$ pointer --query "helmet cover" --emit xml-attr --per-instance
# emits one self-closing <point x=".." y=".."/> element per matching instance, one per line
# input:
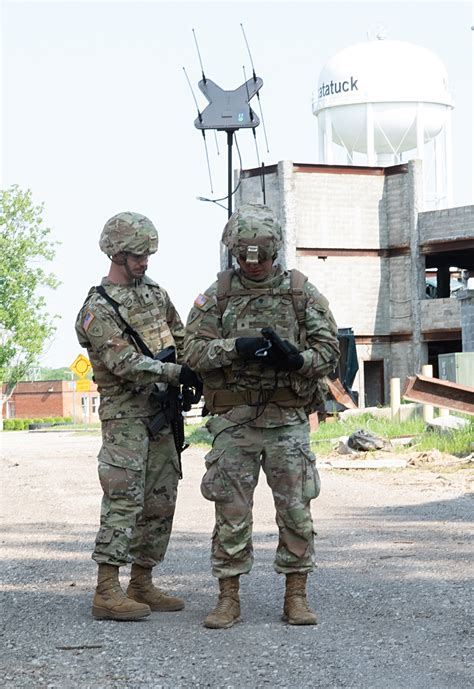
<point x="129" y="232"/>
<point x="253" y="226"/>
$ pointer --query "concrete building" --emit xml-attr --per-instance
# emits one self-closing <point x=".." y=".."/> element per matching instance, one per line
<point x="49" y="398"/>
<point x="361" y="236"/>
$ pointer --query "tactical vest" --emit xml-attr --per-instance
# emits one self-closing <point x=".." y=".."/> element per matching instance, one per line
<point x="243" y="313"/>
<point x="143" y="308"/>
<point x="296" y="291"/>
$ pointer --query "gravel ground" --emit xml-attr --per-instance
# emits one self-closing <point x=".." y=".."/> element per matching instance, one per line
<point x="391" y="587"/>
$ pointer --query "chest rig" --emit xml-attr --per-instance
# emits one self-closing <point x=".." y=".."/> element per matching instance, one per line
<point x="251" y="310"/>
<point x="244" y="311"/>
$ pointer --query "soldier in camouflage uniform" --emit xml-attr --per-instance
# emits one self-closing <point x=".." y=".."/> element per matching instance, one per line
<point x="260" y="399"/>
<point x="138" y="474"/>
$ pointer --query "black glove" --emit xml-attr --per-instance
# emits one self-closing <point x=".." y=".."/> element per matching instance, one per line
<point x="247" y="346"/>
<point x="188" y="378"/>
<point x="290" y="361"/>
<point x="293" y="362"/>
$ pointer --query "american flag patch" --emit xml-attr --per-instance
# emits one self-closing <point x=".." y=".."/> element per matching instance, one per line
<point x="201" y="300"/>
<point x="88" y="318"/>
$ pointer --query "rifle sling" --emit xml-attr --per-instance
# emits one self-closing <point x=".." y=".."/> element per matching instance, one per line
<point x="128" y="328"/>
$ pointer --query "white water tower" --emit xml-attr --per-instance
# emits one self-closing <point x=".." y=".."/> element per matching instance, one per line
<point x="384" y="102"/>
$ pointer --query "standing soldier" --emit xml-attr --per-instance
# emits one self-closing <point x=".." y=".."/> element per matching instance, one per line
<point x="260" y="391"/>
<point x="127" y="315"/>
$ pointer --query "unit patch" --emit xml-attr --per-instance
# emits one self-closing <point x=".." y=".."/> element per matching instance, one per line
<point x="88" y="318"/>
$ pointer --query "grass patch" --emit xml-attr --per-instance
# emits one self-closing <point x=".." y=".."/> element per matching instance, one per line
<point x="457" y="443"/>
<point x="383" y="427"/>
<point x="198" y="435"/>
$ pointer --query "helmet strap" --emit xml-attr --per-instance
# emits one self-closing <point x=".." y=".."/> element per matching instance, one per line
<point x="125" y="265"/>
<point x="119" y="259"/>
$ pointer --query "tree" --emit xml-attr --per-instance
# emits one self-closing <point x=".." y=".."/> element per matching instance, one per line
<point x="45" y="373"/>
<point x="25" y="326"/>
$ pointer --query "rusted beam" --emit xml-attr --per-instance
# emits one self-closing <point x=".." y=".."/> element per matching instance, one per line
<point x="440" y="393"/>
<point x="340" y="395"/>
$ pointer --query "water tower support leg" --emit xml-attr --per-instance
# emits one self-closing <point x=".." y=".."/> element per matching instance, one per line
<point x="321" y="135"/>
<point x="369" y="124"/>
<point x="327" y="137"/>
<point x="449" y="159"/>
<point x="420" y="132"/>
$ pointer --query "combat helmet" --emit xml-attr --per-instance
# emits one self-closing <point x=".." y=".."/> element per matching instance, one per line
<point x="130" y="232"/>
<point x="253" y="233"/>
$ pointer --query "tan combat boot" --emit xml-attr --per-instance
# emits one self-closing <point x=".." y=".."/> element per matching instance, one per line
<point x="110" y="602"/>
<point x="296" y="609"/>
<point x="142" y="589"/>
<point x="227" y="610"/>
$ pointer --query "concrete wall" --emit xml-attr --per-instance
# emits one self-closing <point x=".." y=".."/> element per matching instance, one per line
<point x="440" y="312"/>
<point x="339" y="211"/>
<point x="397" y="210"/>
<point x="466" y="300"/>
<point x="400" y="306"/>
<point x="450" y="223"/>
<point x="402" y="360"/>
<point x="354" y="288"/>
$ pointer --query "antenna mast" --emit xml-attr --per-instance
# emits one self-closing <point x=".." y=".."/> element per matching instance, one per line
<point x="228" y="111"/>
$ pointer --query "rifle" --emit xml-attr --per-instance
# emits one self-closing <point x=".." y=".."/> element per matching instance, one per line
<point x="171" y="404"/>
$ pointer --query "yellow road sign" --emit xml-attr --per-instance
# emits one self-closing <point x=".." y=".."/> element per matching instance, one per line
<point x="83" y="385"/>
<point x="81" y="366"/>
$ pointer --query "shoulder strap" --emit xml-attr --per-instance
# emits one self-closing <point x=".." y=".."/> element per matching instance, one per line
<point x="128" y="328"/>
<point x="224" y="278"/>
<point x="297" y="282"/>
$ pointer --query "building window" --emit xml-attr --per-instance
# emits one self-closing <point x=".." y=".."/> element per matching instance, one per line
<point x="95" y="404"/>
<point x="10" y="409"/>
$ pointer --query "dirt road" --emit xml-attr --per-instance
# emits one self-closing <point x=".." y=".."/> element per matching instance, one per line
<point x="392" y="589"/>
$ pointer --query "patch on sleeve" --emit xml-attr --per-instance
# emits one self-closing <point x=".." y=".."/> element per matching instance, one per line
<point x="201" y="301"/>
<point x="88" y="318"/>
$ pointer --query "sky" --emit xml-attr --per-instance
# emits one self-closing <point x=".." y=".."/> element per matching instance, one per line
<point x="97" y="117"/>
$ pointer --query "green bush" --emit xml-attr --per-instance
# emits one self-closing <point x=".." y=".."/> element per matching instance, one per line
<point x="24" y="424"/>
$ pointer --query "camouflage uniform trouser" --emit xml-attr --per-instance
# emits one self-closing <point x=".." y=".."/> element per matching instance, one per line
<point x="139" y="479"/>
<point x="233" y="466"/>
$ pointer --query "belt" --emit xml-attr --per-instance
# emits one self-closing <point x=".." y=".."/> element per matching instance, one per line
<point x="232" y="398"/>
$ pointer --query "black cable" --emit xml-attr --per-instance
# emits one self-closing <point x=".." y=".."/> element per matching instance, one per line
<point x="224" y="198"/>
<point x="258" y="415"/>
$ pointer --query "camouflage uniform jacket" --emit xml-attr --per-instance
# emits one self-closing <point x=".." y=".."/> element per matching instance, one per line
<point x="210" y="344"/>
<point x="124" y="375"/>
